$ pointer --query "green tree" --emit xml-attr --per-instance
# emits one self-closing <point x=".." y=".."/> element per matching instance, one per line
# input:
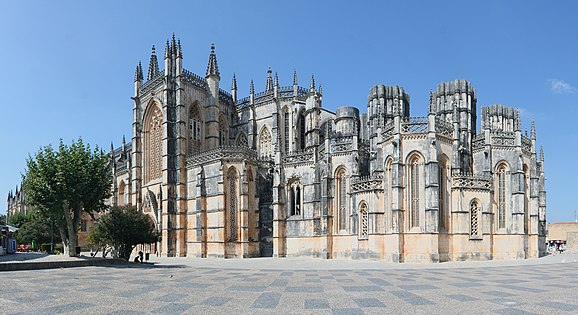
<point x="19" y="218"/>
<point x="123" y="228"/>
<point x="63" y="183"/>
<point x="3" y="219"/>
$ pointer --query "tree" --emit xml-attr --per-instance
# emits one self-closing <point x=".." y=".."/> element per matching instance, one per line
<point x="3" y="219"/>
<point x="123" y="228"/>
<point x="19" y="218"/>
<point x="62" y="184"/>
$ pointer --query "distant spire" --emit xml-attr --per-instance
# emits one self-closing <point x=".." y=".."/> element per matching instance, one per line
<point x="234" y="83"/>
<point x="541" y="153"/>
<point x="252" y="88"/>
<point x="533" y="131"/>
<point x="276" y="79"/>
<point x="269" y="86"/>
<point x="212" y="67"/>
<point x="179" y="49"/>
<point x="320" y="89"/>
<point x="294" y="77"/>
<point x="312" y="87"/>
<point x="153" y="65"/>
<point x="138" y="73"/>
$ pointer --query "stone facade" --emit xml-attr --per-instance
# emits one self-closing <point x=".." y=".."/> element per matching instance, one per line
<point x="276" y="174"/>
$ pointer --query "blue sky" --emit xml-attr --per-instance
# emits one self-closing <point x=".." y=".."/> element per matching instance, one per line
<point x="68" y="66"/>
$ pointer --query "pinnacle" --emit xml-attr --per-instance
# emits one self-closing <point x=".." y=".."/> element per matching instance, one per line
<point x="269" y="85"/>
<point x="234" y="83"/>
<point x="252" y="88"/>
<point x="212" y="67"/>
<point x="294" y="77"/>
<point x="312" y="87"/>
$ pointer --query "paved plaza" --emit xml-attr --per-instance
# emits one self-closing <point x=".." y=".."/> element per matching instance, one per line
<point x="297" y="286"/>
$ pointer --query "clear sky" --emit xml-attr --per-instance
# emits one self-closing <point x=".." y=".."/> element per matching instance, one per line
<point x="67" y="67"/>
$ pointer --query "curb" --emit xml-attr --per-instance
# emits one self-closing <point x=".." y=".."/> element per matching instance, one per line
<point x="60" y="264"/>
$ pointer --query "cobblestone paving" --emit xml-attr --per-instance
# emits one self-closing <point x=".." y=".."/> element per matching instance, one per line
<point x="189" y="289"/>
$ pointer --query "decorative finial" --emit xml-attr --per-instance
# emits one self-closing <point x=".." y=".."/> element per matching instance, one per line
<point x="533" y="131"/>
<point x="212" y="67"/>
<point x="320" y="89"/>
<point x="111" y="148"/>
<point x="312" y="87"/>
<point x="179" y="49"/>
<point x="173" y="45"/>
<point x="234" y="83"/>
<point x="541" y="153"/>
<point x="269" y="85"/>
<point x="294" y="77"/>
<point x="276" y="82"/>
<point x="167" y="50"/>
<point x="252" y="88"/>
<point x="138" y="73"/>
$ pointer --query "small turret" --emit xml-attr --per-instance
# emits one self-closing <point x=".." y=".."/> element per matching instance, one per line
<point x="269" y="86"/>
<point x="276" y="86"/>
<point x="541" y="153"/>
<point x="252" y="93"/>
<point x="234" y="88"/>
<point x="533" y="131"/>
<point x="178" y="53"/>
<point x="153" y="65"/>
<point x="138" y="77"/>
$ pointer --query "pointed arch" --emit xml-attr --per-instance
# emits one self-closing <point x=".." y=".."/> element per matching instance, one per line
<point x="363" y="220"/>
<point x="502" y="182"/>
<point x="342" y="214"/>
<point x="414" y="188"/>
<point x="388" y="179"/>
<point x="444" y="192"/>
<point x="195" y="129"/>
<point x="294" y="195"/>
<point x="475" y="219"/>
<point x="286" y="129"/>
<point x="265" y="148"/>
<point x="242" y="140"/>
<point x="223" y="131"/>
<point x="232" y="205"/>
<point x="153" y="137"/>
<point x="121" y="197"/>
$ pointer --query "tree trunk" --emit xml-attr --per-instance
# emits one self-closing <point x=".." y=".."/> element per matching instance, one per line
<point x="72" y="233"/>
<point x="64" y="238"/>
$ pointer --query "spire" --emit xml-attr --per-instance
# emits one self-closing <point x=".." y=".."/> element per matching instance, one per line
<point x="541" y="153"/>
<point x="269" y="86"/>
<point x="179" y="49"/>
<point x="138" y="73"/>
<point x="294" y="77"/>
<point x="320" y="89"/>
<point x="234" y="83"/>
<point x="312" y="87"/>
<point x="123" y="143"/>
<point x="276" y="79"/>
<point x="111" y="149"/>
<point x="212" y="68"/>
<point x="252" y="88"/>
<point x="153" y="65"/>
<point x="167" y="50"/>
<point x="533" y="130"/>
<point x="173" y="45"/>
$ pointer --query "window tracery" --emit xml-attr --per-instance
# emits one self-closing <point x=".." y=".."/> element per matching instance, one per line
<point x="195" y="126"/>
<point x="265" y="144"/>
<point x="414" y="192"/>
<point x="502" y="196"/>
<point x="153" y="142"/>
<point x="341" y="200"/>
<point x="474" y="219"/>
<point x="363" y="221"/>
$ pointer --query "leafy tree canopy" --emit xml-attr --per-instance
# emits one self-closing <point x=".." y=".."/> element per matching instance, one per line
<point x="63" y="183"/>
<point x="123" y="228"/>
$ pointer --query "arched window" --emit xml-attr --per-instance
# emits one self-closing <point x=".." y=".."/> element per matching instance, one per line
<point x="232" y="205"/>
<point x="286" y="117"/>
<point x="443" y="193"/>
<point x="502" y="172"/>
<point x="242" y="140"/>
<point x="223" y="131"/>
<point x="153" y="137"/>
<point x="120" y="200"/>
<point x="363" y="221"/>
<point x="526" y="198"/>
<point x="341" y="189"/>
<point x="295" y="196"/>
<point x="475" y="230"/>
<point x="302" y="130"/>
<point x="388" y="187"/>
<point x="414" y="190"/>
<point x="195" y="126"/>
<point x="265" y="146"/>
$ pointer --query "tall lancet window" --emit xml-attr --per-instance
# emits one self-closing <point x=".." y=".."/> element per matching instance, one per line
<point x="341" y="200"/>
<point x="414" y="192"/>
<point x="475" y="231"/>
<point x="194" y="130"/>
<point x="302" y="130"/>
<point x="265" y="144"/>
<point x="153" y="136"/>
<point x="443" y="194"/>
<point x="363" y="221"/>
<point x="232" y="206"/>
<point x="502" y="172"/>
<point x="223" y="131"/>
<point x="286" y="136"/>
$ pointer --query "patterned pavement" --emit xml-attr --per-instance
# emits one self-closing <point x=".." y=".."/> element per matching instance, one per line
<point x="254" y="288"/>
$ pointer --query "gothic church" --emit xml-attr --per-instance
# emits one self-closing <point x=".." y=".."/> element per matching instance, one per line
<point x="276" y="174"/>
